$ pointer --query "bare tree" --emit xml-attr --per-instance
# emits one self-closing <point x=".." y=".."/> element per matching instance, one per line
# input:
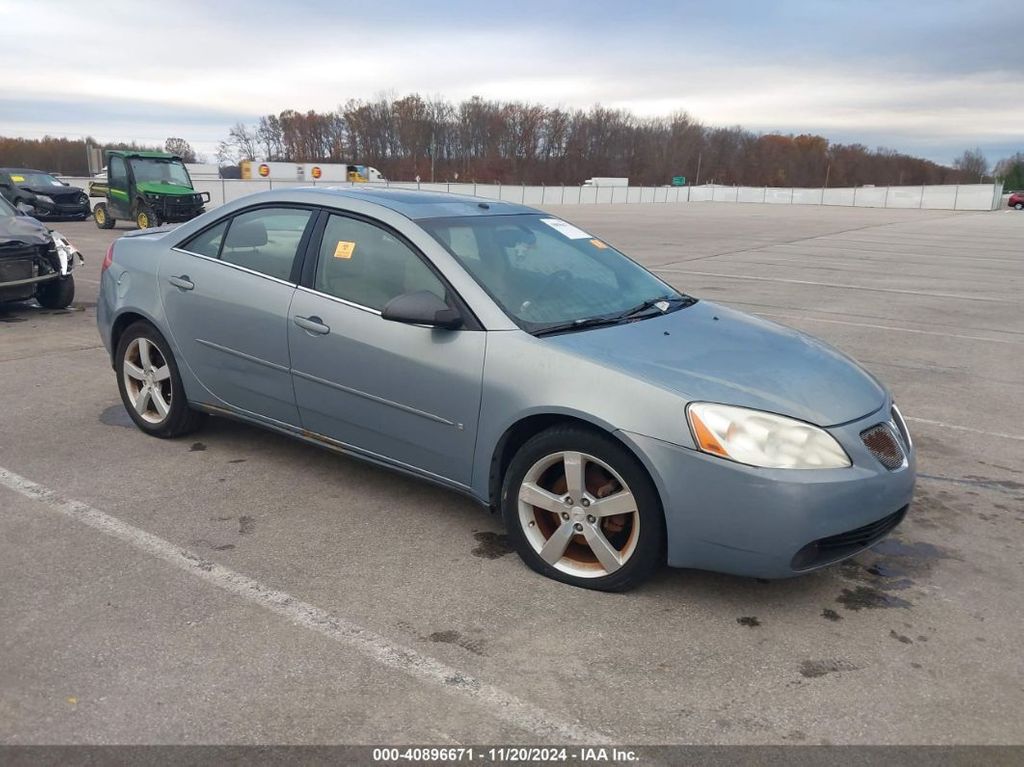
<point x="182" y="148"/>
<point x="972" y="165"/>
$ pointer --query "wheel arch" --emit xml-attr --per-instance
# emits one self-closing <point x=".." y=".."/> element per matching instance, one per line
<point x="122" y="322"/>
<point x="527" y="426"/>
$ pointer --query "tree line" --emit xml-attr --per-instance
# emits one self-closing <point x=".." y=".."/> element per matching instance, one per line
<point x="68" y="157"/>
<point x="521" y="143"/>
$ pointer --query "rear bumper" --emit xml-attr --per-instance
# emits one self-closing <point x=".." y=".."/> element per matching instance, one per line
<point x="772" y="523"/>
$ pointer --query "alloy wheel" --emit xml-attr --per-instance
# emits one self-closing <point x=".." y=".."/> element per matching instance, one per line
<point x="147" y="380"/>
<point x="578" y="514"/>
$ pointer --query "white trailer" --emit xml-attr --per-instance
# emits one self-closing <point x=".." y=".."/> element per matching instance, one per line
<point x="606" y="181"/>
<point x="312" y="172"/>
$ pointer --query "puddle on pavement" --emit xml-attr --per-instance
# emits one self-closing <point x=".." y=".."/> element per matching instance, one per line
<point x="869" y="598"/>
<point x="492" y="545"/>
<point x="116" y="415"/>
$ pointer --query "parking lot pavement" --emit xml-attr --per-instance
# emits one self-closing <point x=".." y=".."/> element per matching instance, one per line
<point x="237" y="586"/>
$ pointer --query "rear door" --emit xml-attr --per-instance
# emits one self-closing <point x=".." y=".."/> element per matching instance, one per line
<point x="408" y="393"/>
<point x="226" y="294"/>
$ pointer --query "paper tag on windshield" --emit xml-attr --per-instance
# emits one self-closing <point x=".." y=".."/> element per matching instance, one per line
<point x="567" y="229"/>
<point x="345" y="249"/>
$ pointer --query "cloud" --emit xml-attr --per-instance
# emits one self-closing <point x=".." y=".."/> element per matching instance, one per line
<point x="941" y="79"/>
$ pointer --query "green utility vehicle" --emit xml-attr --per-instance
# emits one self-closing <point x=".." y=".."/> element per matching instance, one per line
<point x="149" y="188"/>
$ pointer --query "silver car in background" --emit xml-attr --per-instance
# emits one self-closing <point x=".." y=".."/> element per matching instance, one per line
<point x="615" y="423"/>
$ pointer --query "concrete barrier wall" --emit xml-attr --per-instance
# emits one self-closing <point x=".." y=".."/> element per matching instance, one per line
<point x="943" y="197"/>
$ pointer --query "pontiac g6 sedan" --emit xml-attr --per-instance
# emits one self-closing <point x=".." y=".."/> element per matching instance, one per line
<point x="615" y="422"/>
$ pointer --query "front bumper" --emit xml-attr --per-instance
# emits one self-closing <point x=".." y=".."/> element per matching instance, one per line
<point x="176" y="210"/>
<point x="775" y="523"/>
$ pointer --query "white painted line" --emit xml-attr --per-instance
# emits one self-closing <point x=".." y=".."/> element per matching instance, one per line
<point x="891" y="327"/>
<point x="501" y="704"/>
<point x="838" y="285"/>
<point x="1003" y="435"/>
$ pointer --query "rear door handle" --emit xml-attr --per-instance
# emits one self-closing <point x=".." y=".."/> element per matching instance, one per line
<point x="313" y="325"/>
<point x="182" y="282"/>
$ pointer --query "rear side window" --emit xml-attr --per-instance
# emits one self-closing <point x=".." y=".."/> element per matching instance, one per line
<point x="265" y="240"/>
<point x="369" y="266"/>
<point x="207" y="243"/>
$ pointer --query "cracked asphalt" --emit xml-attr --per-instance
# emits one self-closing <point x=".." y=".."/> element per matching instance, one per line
<point x="389" y="611"/>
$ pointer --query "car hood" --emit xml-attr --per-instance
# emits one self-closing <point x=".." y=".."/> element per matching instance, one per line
<point x="709" y="353"/>
<point x="50" y="190"/>
<point x="23" y="229"/>
<point x="154" y="187"/>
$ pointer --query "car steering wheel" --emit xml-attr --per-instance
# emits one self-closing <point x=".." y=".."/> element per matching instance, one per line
<point x="561" y="278"/>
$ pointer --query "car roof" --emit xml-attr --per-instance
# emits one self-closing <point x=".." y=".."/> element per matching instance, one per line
<point x="418" y="205"/>
<point x="145" y="155"/>
<point x="24" y="170"/>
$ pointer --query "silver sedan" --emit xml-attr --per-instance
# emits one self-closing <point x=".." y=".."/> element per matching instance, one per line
<point x="615" y="422"/>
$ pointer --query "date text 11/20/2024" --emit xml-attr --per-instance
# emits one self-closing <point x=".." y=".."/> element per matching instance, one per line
<point x="517" y="754"/>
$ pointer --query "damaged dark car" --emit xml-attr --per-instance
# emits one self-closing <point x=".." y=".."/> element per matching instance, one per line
<point x="35" y="262"/>
<point x="42" y="195"/>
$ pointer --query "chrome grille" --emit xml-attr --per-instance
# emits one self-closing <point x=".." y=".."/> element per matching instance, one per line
<point x="882" y="443"/>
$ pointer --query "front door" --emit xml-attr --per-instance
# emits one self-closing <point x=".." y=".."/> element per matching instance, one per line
<point x="226" y="294"/>
<point x="119" y="202"/>
<point x="407" y="393"/>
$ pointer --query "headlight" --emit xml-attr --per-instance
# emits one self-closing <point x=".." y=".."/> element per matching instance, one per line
<point x="763" y="439"/>
<point x="44" y="198"/>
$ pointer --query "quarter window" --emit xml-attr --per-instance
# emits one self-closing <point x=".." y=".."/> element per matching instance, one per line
<point x="369" y="266"/>
<point x="265" y="240"/>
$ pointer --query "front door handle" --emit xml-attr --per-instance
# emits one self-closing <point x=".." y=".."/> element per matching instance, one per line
<point x="313" y="325"/>
<point x="182" y="282"/>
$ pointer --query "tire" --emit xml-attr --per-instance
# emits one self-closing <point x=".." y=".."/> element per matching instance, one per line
<point x="102" y="216"/>
<point x="56" y="294"/>
<point x="632" y="524"/>
<point x="1019" y="206"/>
<point x="146" y="217"/>
<point x="175" y="418"/>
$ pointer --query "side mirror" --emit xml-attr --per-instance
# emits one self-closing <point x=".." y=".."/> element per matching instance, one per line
<point x="422" y="308"/>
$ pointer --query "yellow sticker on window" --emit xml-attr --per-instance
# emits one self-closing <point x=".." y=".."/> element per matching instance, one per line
<point x="598" y="244"/>
<point x="17" y="179"/>
<point x="345" y="249"/>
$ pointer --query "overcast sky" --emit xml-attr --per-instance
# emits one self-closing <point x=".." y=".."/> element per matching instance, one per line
<point x="931" y="78"/>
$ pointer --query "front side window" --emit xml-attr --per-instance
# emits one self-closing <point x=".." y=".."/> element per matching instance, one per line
<point x="264" y="240"/>
<point x="546" y="273"/>
<point x="117" y="173"/>
<point x="367" y="265"/>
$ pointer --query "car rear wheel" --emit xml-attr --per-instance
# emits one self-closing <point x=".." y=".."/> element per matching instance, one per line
<point x="56" y="294"/>
<point x="151" y="390"/>
<point x="582" y="510"/>
<point x="102" y="217"/>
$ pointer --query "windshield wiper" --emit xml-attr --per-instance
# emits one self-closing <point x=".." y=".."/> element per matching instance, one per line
<point x="589" y="322"/>
<point x="635" y="312"/>
<point x="651" y="303"/>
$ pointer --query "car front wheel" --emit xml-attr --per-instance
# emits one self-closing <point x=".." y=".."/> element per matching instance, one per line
<point x="581" y="509"/>
<point x="151" y="390"/>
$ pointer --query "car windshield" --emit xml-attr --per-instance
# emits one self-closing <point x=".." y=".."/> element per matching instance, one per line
<point x="33" y="179"/>
<point x="152" y="170"/>
<point x="6" y="209"/>
<point x="549" y="275"/>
